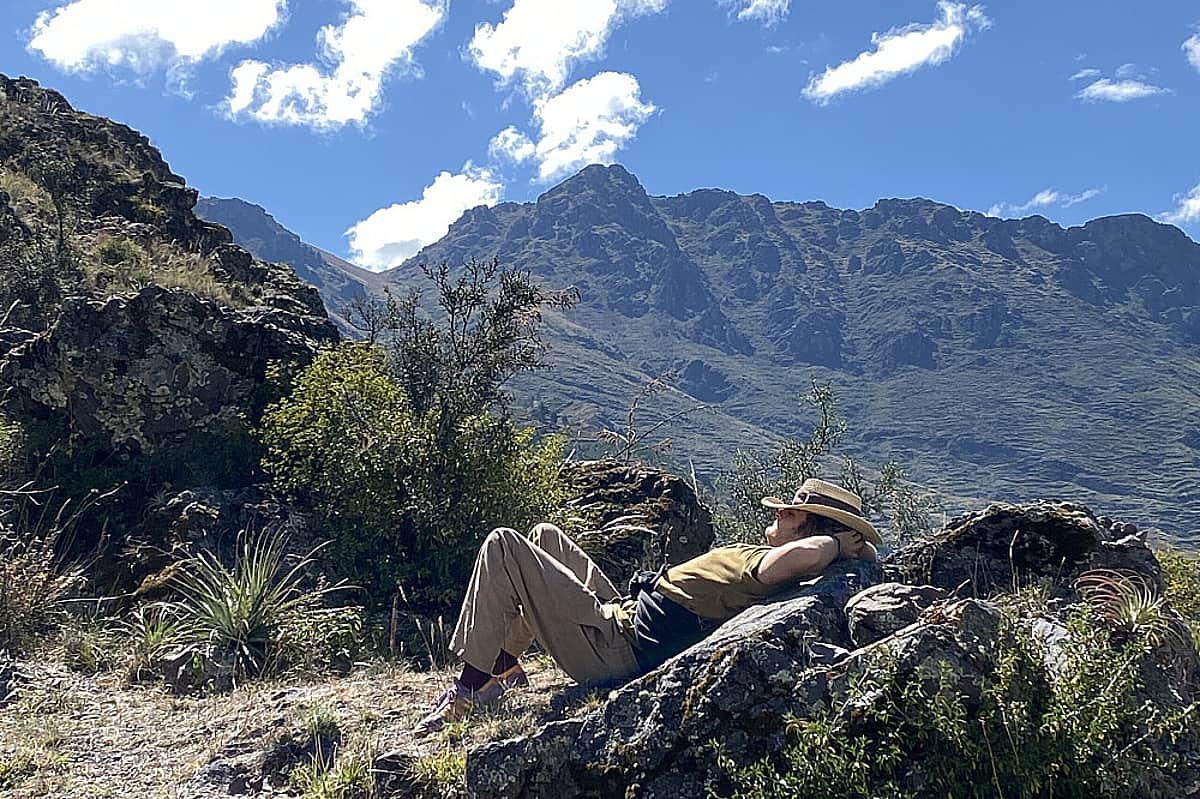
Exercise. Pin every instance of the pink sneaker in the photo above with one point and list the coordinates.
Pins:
(456, 702)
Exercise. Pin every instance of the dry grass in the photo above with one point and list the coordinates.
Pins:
(70, 734)
(155, 262)
(24, 193)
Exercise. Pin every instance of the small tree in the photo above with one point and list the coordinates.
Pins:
(488, 332)
(797, 459)
(403, 449)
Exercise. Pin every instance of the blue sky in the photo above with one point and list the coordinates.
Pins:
(367, 126)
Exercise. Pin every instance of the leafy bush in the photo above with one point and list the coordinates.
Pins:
(405, 497)
(1077, 728)
(908, 512)
(1181, 570)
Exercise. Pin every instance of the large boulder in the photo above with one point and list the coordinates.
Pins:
(652, 737)
(734, 691)
(139, 373)
(883, 609)
(1006, 547)
(635, 517)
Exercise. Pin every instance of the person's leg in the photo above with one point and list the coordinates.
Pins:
(517, 584)
(558, 545)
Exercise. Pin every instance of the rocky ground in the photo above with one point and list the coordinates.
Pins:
(67, 734)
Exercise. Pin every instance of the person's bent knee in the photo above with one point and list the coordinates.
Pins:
(543, 529)
(500, 536)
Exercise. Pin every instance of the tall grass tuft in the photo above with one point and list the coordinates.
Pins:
(36, 576)
(229, 616)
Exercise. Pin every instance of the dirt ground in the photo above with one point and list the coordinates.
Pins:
(67, 734)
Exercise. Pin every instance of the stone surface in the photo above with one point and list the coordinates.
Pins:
(1007, 546)
(254, 766)
(654, 736)
(651, 736)
(139, 373)
(617, 503)
(883, 609)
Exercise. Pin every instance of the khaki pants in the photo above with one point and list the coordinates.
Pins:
(542, 586)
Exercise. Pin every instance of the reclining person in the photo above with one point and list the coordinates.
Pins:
(544, 586)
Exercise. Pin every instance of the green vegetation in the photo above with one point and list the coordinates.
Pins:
(1077, 728)
(1181, 571)
(405, 498)
(342, 774)
(230, 618)
(442, 774)
(403, 451)
(908, 511)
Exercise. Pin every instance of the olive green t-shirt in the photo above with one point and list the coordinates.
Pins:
(719, 584)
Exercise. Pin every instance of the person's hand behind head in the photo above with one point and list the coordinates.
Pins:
(852, 543)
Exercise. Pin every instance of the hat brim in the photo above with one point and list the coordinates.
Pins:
(849, 519)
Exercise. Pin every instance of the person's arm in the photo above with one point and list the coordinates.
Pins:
(808, 556)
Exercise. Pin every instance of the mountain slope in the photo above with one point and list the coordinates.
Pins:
(339, 281)
(996, 359)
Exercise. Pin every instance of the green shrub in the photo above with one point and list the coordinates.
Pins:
(318, 640)
(123, 253)
(405, 497)
(1077, 728)
(151, 633)
(908, 512)
(90, 645)
(1181, 571)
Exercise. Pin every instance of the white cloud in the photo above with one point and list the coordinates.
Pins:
(1086, 74)
(1044, 199)
(392, 235)
(586, 123)
(1187, 210)
(512, 145)
(767, 12)
(1119, 91)
(1127, 71)
(1191, 48)
(541, 40)
(375, 38)
(899, 52)
(143, 35)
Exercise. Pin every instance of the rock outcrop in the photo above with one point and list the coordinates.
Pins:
(635, 517)
(657, 736)
(143, 372)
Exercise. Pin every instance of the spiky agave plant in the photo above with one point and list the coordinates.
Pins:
(229, 615)
(1128, 602)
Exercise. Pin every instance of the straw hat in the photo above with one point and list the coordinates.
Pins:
(830, 500)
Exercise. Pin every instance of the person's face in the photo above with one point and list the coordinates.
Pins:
(789, 525)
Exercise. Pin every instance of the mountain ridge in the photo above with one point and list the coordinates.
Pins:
(995, 358)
